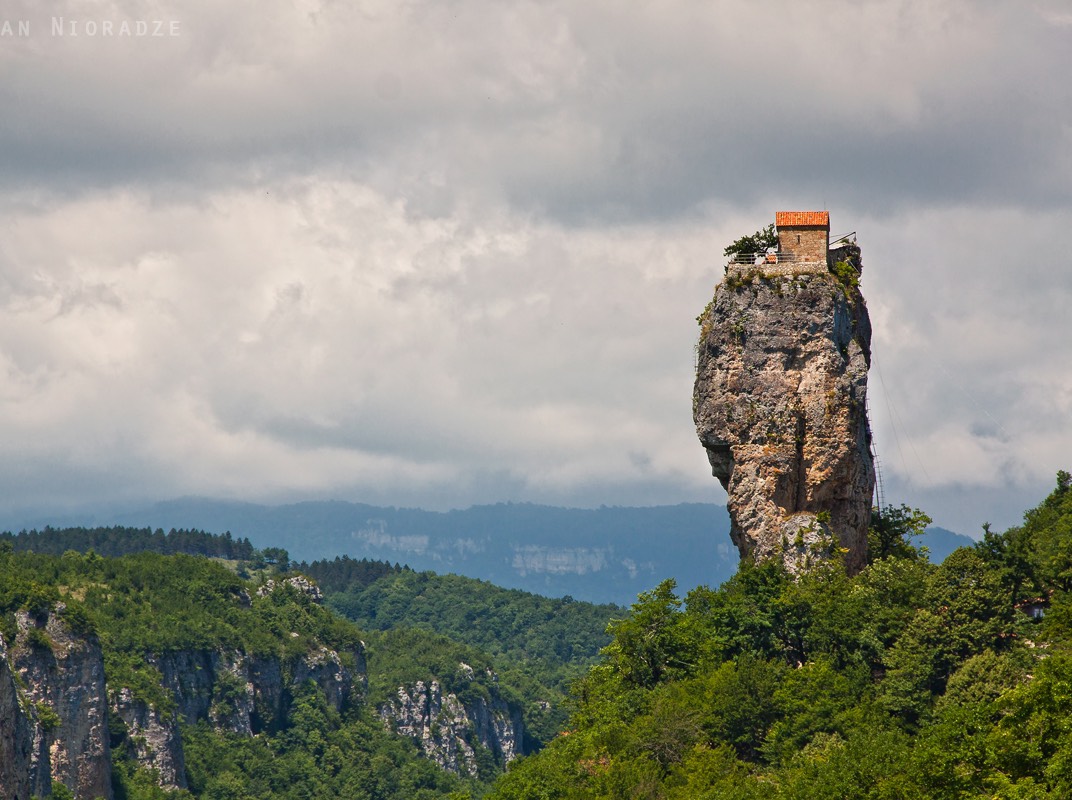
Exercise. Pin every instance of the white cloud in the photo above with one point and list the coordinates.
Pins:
(440, 253)
(968, 318)
(322, 337)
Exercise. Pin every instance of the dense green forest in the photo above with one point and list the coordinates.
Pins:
(121, 541)
(345, 574)
(908, 680)
(505, 622)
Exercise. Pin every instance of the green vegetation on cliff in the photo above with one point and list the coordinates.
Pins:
(148, 603)
(536, 645)
(320, 754)
(908, 680)
(480, 642)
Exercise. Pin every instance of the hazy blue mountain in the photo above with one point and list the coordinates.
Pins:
(608, 554)
(941, 542)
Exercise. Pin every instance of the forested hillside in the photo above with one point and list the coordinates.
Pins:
(537, 645)
(219, 685)
(504, 622)
(247, 690)
(908, 680)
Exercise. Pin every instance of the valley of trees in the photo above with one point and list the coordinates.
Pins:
(909, 680)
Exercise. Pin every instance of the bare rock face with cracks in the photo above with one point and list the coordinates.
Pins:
(780, 397)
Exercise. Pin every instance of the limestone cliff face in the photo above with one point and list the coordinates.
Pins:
(780, 407)
(449, 730)
(16, 734)
(246, 694)
(64, 698)
(153, 737)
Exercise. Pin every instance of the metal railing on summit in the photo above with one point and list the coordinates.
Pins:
(766, 258)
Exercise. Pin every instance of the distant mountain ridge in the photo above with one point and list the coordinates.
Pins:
(607, 554)
(940, 542)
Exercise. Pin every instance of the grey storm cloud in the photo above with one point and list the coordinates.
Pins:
(451, 252)
(573, 110)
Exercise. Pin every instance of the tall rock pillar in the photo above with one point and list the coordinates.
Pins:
(780, 398)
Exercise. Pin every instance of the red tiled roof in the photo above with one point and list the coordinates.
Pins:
(784, 219)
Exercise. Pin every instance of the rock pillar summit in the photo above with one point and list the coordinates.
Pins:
(780, 396)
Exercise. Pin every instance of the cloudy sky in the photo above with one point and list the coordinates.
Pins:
(451, 252)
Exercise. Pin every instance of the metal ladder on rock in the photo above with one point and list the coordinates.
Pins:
(880, 494)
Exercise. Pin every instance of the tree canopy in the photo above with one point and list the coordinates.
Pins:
(908, 680)
(757, 242)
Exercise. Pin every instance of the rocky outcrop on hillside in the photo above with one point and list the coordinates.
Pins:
(450, 731)
(246, 694)
(153, 737)
(780, 407)
(63, 721)
(54, 704)
(298, 582)
(16, 734)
